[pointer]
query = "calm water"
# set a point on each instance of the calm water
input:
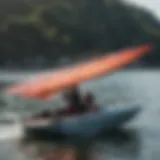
(139, 141)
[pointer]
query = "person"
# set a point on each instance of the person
(76, 104)
(89, 102)
(73, 98)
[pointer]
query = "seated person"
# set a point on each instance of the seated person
(89, 102)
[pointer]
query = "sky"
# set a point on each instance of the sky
(152, 5)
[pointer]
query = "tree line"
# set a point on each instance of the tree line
(38, 33)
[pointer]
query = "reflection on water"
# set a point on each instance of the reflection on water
(122, 144)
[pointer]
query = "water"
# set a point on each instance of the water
(139, 141)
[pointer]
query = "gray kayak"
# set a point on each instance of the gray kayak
(87, 124)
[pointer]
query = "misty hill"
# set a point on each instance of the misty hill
(38, 33)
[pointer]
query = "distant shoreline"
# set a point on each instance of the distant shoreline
(52, 69)
(8, 77)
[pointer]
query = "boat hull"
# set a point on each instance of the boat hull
(86, 124)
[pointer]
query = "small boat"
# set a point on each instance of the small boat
(86, 124)
(92, 123)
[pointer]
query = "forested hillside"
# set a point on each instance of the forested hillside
(37, 33)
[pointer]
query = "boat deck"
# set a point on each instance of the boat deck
(38, 122)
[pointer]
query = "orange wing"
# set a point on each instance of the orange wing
(53, 83)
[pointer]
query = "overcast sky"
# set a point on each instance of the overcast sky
(152, 5)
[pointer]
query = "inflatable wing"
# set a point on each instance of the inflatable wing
(58, 80)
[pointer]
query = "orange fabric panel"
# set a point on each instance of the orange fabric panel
(58, 80)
